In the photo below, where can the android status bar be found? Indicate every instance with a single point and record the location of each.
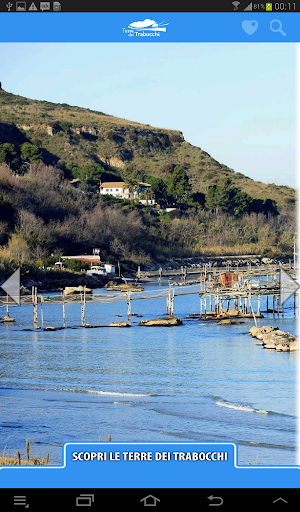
(96, 6)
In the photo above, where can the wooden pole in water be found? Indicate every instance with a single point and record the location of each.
(64, 308)
(34, 302)
(7, 312)
(36, 305)
(258, 305)
(159, 274)
(172, 303)
(169, 300)
(129, 308)
(251, 310)
(82, 300)
(42, 312)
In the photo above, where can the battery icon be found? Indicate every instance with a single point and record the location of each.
(268, 7)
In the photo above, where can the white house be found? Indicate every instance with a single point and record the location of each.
(114, 188)
(121, 190)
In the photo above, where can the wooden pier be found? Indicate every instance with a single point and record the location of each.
(216, 301)
(206, 269)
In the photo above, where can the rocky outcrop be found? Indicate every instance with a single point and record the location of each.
(161, 322)
(273, 338)
(119, 324)
(124, 287)
(75, 290)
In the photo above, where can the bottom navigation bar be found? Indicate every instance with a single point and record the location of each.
(137, 499)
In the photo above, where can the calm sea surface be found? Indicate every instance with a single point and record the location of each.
(197, 382)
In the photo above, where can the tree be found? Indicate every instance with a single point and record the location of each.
(158, 188)
(266, 206)
(241, 202)
(178, 184)
(89, 173)
(31, 152)
(8, 154)
(65, 125)
(132, 186)
(18, 249)
(197, 199)
(225, 198)
(75, 265)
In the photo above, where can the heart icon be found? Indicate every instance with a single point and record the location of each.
(250, 26)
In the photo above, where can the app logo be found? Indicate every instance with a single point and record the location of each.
(145, 28)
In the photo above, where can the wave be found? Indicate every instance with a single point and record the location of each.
(78, 390)
(248, 408)
(266, 445)
(103, 393)
(240, 407)
(124, 404)
(112, 393)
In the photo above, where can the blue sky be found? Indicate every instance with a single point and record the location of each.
(235, 100)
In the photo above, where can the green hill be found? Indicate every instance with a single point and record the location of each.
(70, 136)
(44, 145)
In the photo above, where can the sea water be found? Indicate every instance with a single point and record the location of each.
(198, 382)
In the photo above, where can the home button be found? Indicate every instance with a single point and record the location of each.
(150, 501)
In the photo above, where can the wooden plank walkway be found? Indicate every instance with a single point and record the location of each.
(207, 269)
(215, 299)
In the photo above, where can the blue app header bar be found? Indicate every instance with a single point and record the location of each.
(154, 27)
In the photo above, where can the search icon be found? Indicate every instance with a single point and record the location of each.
(277, 28)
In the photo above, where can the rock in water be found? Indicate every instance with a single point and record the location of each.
(161, 322)
(119, 324)
(273, 338)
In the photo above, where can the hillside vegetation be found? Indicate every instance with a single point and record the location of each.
(45, 145)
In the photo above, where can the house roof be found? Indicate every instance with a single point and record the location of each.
(87, 258)
(120, 184)
(112, 184)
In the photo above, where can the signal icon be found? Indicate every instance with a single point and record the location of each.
(235, 5)
(249, 7)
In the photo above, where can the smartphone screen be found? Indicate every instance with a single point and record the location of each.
(149, 254)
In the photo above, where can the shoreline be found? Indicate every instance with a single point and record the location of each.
(55, 280)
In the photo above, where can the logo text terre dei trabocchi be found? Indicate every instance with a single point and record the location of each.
(145, 28)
